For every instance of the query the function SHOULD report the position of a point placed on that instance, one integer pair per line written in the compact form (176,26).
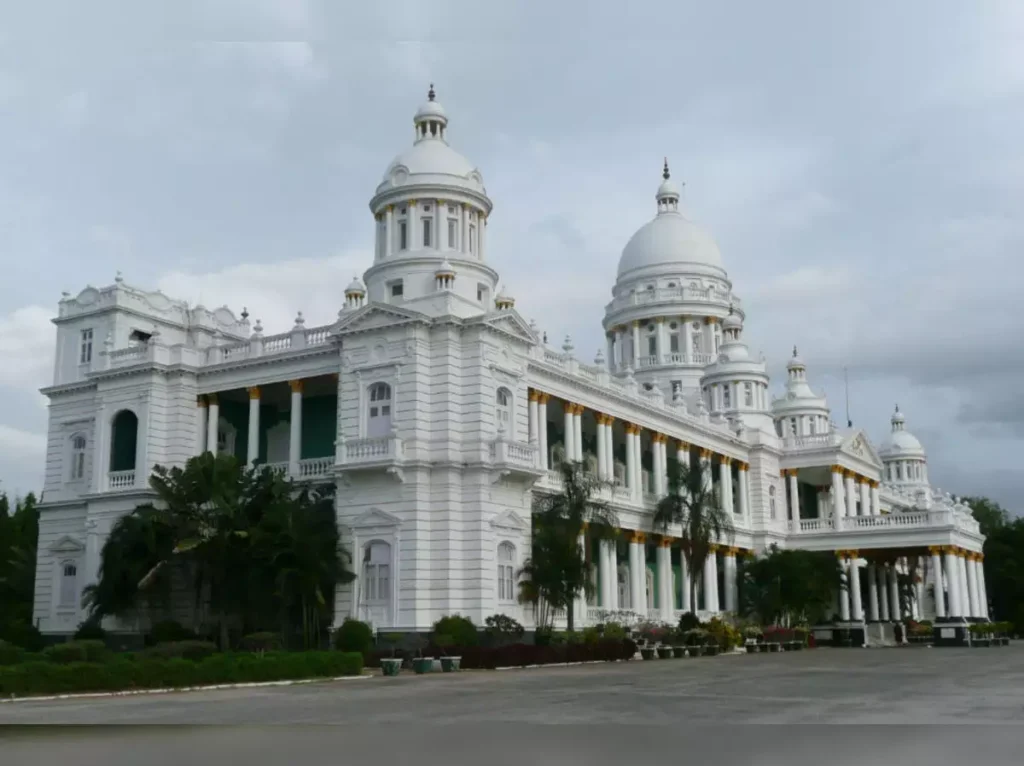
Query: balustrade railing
(120,480)
(660,294)
(372,449)
(315,466)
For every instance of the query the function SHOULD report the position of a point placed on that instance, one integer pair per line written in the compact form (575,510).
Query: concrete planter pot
(695,651)
(664,652)
(762,647)
(648,653)
(797,646)
(710,650)
(450,664)
(423,665)
(752,649)
(980,642)
(774,647)
(678,652)
(390,666)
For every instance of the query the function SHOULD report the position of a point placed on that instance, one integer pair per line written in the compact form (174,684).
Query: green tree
(556,571)
(989,514)
(695,507)
(259,552)
(19,537)
(790,587)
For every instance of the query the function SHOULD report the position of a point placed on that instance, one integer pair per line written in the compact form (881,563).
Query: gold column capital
(211,398)
(412,203)
(659,320)
(706,454)
(254,392)
(608,419)
(665,542)
(534,395)
(714,548)
(836,469)
(439,201)
(711,320)
(636,323)
(200,401)
(681,445)
(725,460)
(389,208)
(744,466)
(296,386)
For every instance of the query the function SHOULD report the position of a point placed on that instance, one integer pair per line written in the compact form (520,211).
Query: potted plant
(449,662)
(391,665)
(648,652)
(678,651)
(421,664)
(664,652)
(695,639)
(752,636)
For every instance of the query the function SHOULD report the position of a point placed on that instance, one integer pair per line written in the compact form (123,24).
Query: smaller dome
(795,362)
(900,442)
(445,270)
(355,287)
(732,322)
(431,109)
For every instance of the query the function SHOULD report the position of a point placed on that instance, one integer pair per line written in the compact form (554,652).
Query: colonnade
(454,226)
(735,500)
(670,340)
(960,575)
(851,495)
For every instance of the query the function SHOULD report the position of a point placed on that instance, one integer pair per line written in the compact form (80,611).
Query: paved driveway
(623,705)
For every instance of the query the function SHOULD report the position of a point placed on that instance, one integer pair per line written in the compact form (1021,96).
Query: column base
(841,634)
(951,631)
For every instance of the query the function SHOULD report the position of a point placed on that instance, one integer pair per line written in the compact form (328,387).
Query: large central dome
(670,238)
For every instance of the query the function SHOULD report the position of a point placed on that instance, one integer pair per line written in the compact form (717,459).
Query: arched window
(771,502)
(379,416)
(503,409)
(69,584)
(124,437)
(506,572)
(377,573)
(78,444)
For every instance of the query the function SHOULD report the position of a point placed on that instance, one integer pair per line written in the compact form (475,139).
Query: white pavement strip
(136,692)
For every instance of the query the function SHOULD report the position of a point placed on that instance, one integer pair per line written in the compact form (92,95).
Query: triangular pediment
(510,322)
(376,316)
(857,444)
(66,544)
(375,517)
(510,520)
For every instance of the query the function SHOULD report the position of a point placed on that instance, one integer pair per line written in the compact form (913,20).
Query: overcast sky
(859,164)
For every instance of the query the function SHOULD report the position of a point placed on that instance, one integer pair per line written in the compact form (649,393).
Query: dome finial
(897,408)
(430,93)
(794,352)
(664,173)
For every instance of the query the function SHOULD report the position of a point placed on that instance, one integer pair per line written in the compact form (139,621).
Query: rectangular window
(748,395)
(426,232)
(673,344)
(726,398)
(397,289)
(481,293)
(472,239)
(402,236)
(451,233)
(86,347)
(652,346)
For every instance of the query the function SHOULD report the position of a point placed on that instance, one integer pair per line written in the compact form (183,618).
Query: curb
(171,690)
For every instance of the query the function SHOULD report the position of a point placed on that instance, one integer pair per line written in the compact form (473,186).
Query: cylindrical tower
(905,461)
(735,385)
(800,412)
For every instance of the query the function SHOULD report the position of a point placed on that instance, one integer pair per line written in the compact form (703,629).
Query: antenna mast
(846,381)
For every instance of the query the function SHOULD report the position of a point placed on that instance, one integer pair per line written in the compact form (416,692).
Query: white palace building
(440,414)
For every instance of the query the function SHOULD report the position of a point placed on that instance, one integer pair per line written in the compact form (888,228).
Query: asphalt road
(561,714)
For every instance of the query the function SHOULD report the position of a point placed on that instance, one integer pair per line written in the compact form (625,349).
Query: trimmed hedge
(186,650)
(11,654)
(76,651)
(122,674)
(519,655)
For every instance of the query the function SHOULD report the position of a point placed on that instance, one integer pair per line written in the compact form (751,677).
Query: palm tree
(557,572)
(695,507)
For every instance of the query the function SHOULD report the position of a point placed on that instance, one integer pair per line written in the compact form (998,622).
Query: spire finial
(794,352)
(430,93)
(897,409)
(664,172)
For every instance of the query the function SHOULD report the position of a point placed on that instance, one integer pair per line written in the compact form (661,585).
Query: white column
(581,597)
(662,473)
(744,489)
(609,450)
(636,345)
(979,563)
(201,417)
(665,600)
(838,496)
(918,606)
(876,499)
(613,581)
(610,350)
(865,496)
(212,422)
(389,230)
(708,344)
(637,469)
(731,590)
(637,575)
(794,499)
(711,582)
(965,599)
(895,613)
(853,573)
(481,235)
(440,235)
(414,237)
(616,358)
(295,428)
(569,429)
(972,586)
(725,484)
(577,432)
(142,444)
(883,592)
(684,585)
(851,496)
(659,328)
(872,593)
(603,575)
(253,445)
(464,218)
(705,469)
(542,431)
(602,449)
(940,600)
(844,593)
(534,412)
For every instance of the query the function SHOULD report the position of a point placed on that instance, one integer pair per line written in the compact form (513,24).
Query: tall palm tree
(557,572)
(695,507)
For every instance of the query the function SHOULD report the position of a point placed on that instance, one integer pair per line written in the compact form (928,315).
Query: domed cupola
(431,211)
(669,298)
(800,412)
(902,455)
(735,385)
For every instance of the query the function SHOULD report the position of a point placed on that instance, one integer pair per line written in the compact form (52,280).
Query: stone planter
(762,647)
(390,666)
(423,665)
(450,664)
(695,651)
(710,650)
(648,653)
(774,647)
(751,648)
(797,646)
(664,652)
(678,652)
(980,641)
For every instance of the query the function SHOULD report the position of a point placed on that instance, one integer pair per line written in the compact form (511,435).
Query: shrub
(722,633)
(76,651)
(121,674)
(614,630)
(10,654)
(22,634)
(696,637)
(502,627)
(184,650)
(168,631)
(444,642)
(518,655)
(542,636)
(461,629)
(90,630)
(354,636)
(261,642)
(688,621)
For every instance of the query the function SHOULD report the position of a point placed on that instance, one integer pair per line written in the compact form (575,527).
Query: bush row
(518,655)
(41,677)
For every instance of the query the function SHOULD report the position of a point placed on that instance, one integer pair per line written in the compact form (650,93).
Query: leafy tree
(990,515)
(789,587)
(556,571)
(19,536)
(695,507)
(259,552)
